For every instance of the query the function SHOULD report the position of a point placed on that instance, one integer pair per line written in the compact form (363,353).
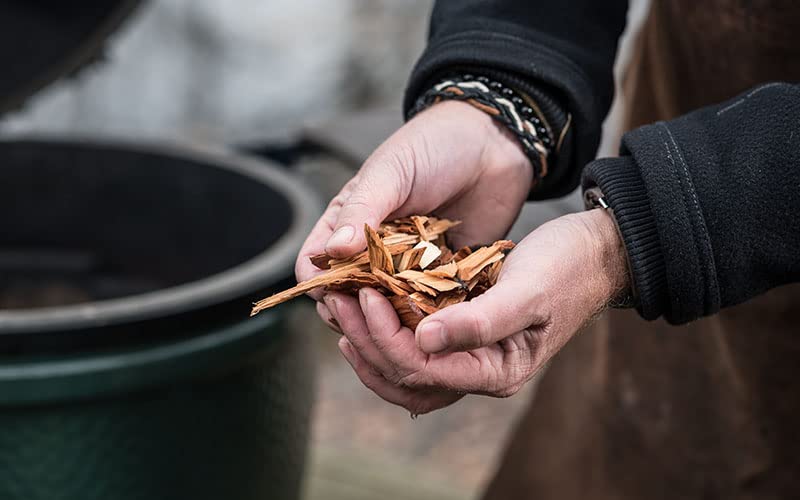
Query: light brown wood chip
(408,261)
(444,271)
(316,282)
(392,284)
(475,262)
(379,257)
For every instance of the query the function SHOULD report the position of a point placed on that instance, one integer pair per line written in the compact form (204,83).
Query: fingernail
(331,304)
(363,297)
(432,337)
(344,346)
(341,237)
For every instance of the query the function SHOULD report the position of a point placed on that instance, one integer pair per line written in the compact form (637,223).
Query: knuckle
(357,206)
(413,379)
(479,329)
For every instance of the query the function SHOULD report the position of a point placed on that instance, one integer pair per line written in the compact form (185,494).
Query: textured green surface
(234,429)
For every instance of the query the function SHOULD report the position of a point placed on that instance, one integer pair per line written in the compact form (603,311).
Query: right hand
(452,160)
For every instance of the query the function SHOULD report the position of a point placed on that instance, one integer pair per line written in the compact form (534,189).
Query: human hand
(554,282)
(452,160)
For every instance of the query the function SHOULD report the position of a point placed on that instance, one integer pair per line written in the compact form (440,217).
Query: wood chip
(475,262)
(419,222)
(407,309)
(322,261)
(444,271)
(379,257)
(462,254)
(408,261)
(392,284)
(431,253)
(426,304)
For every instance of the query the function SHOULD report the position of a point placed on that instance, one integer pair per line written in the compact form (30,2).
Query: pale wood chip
(471,265)
(444,271)
(394,239)
(428,284)
(409,275)
(432,253)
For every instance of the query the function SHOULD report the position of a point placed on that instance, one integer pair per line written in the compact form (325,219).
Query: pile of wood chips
(408,261)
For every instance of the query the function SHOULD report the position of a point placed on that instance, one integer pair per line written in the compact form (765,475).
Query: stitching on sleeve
(748,96)
(706,243)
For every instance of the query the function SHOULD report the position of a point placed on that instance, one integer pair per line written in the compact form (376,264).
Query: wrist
(611,277)
(501,154)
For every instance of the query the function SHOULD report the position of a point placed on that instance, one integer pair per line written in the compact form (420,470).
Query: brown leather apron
(638,410)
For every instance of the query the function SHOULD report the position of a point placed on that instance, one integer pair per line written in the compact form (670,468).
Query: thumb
(502,311)
(377,191)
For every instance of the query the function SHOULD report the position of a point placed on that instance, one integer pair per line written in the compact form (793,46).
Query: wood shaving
(408,261)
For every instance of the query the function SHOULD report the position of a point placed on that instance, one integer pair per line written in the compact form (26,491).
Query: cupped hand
(551,285)
(451,160)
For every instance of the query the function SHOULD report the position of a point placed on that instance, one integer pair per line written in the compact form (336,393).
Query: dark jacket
(707,203)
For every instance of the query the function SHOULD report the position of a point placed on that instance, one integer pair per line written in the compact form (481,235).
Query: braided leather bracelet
(514,110)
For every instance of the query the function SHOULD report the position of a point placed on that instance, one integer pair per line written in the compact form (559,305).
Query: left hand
(554,282)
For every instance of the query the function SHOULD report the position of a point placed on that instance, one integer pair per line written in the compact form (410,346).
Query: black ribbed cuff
(624,191)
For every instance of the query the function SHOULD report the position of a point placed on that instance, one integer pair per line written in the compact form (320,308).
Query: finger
(508,307)
(315,242)
(327,317)
(382,186)
(394,341)
(416,402)
(347,312)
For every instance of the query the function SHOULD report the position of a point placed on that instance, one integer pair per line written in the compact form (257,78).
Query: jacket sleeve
(709,204)
(561,52)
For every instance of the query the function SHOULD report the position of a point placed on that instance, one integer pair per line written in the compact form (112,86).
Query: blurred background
(316,85)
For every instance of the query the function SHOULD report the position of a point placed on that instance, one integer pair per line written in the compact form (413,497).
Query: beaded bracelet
(518,113)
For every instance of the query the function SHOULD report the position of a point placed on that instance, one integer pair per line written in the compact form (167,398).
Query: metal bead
(517,101)
(469,77)
(483,79)
(496,85)
(546,141)
(542,130)
(508,92)
(536,121)
(527,111)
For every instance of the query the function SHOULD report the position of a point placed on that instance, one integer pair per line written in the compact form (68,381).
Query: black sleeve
(709,204)
(561,49)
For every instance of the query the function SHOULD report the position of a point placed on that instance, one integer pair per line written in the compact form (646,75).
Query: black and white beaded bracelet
(514,110)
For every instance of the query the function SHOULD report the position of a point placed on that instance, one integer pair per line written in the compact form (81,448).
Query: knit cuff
(624,191)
